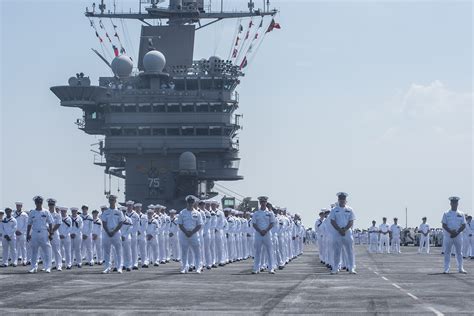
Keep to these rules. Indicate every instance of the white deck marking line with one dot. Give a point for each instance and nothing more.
(434, 310)
(385, 278)
(412, 296)
(376, 272)
(397, 286)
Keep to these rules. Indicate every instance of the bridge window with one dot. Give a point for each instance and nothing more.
(172, 131)
(144, 131)
(129, 108)
(130, 132)
(202, 107)
(115, 131)
(158, 107)
(173, 107)
(187, 131)
(187, 107)
(116, 108)
(215, 131)
(159, 132)
(202, 131)
(144, 107)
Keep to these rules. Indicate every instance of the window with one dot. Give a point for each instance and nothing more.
(202, 107)
(144, 107)
(187, 131)
(130, 132)
(172, 131)
(215, 131)
(159, 132)
(116, 131)
(216, 107)
(144, 131)
(191, 84)
(202, 131)
(116, 108)
(187, 107)
(129, 108)
(228, 131)
(159, 107)
(173, 107)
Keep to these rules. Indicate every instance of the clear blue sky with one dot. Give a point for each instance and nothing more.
(372, 98)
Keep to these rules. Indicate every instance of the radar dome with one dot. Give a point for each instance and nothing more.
(122, 66)
(154, 61)
(187, 161)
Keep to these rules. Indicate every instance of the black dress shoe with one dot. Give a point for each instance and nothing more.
(115, 270)
(135, 268)
(128, 269)
(144, 266)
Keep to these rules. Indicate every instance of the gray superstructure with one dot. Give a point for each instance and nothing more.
(170, 129)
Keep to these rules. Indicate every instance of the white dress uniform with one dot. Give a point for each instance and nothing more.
(65, 240)
(161, 238)
(190, 220)
(262, 219)
(342, 216)
(384, 241)
(220, 237)
(76, 239)
(152, 228)
(126, 243)
(206, 234)
(9, 229)
(212, 231)
(141, 237)
(135, 218)
(39, 221)
(319, 237)
(454, 220)
(86, 245)
(468, 238)
(97, 240)
(373, 239)
(112, 218)
(167, 254)
(22, 224)
(424, 240)
(174, 243)
(396, 230)
(56, 242)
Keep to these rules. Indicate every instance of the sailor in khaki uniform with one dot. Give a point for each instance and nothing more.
(9, 227)
(40, 223)
(453, 224)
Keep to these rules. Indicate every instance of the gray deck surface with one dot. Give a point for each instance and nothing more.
(385, 284)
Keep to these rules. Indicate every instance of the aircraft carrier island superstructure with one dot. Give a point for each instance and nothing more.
(170, 128)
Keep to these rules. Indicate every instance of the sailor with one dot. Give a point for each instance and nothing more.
(141, 233)
(64, 237)
(263, 221)
(373, 232)
(166, 235)
(189, 223)
(97, 237)
(40, 223)
(9, 228)
(219, 233)
(86, 243)
(424, 230)
(76, 236)
(395, 230)
(174, 243)
(384, 230)
(55, 240)
(126, 240)
(135, 218)
(342, 219)
(278, 260)
(151, 232)
(454, 223)
(319, 235)
(22, 223)
(468, 238)
(112, 220)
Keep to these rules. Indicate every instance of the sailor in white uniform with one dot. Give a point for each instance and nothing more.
(468, 238)
(55, 240)
(135, 218)
(424, 231)
(9, 228)
(384, 241)
(22, 223)
(342, 219)
(97, 237)
(373, 232)
(87, 226)
(395, 229)
(454, 223)
(76, 236)
(40, 223)
(263, 220)
(112, 220)
(64, 237)
(189, 223)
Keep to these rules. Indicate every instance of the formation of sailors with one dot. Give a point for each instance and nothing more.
(201, 236)
(458, 236)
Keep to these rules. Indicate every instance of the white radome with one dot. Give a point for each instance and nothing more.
(122, 66)
(154, 61)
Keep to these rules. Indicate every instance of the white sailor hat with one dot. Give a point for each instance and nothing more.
(151, 206)
(123, 208)
(208, 202)
(84, 206)
(344, 194)
(454, 198)
(104, 207)
(150, 211)
(63, 209)
(129, 202)
(227, 209)
(112, 197)
(2, 212)
(51, 201)
(38, 198)
(262, 198)
(157, 206)
(137, 205)
(18, 203)
(172, 211)
(214, 202)
(74, 209)
(191, 199)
